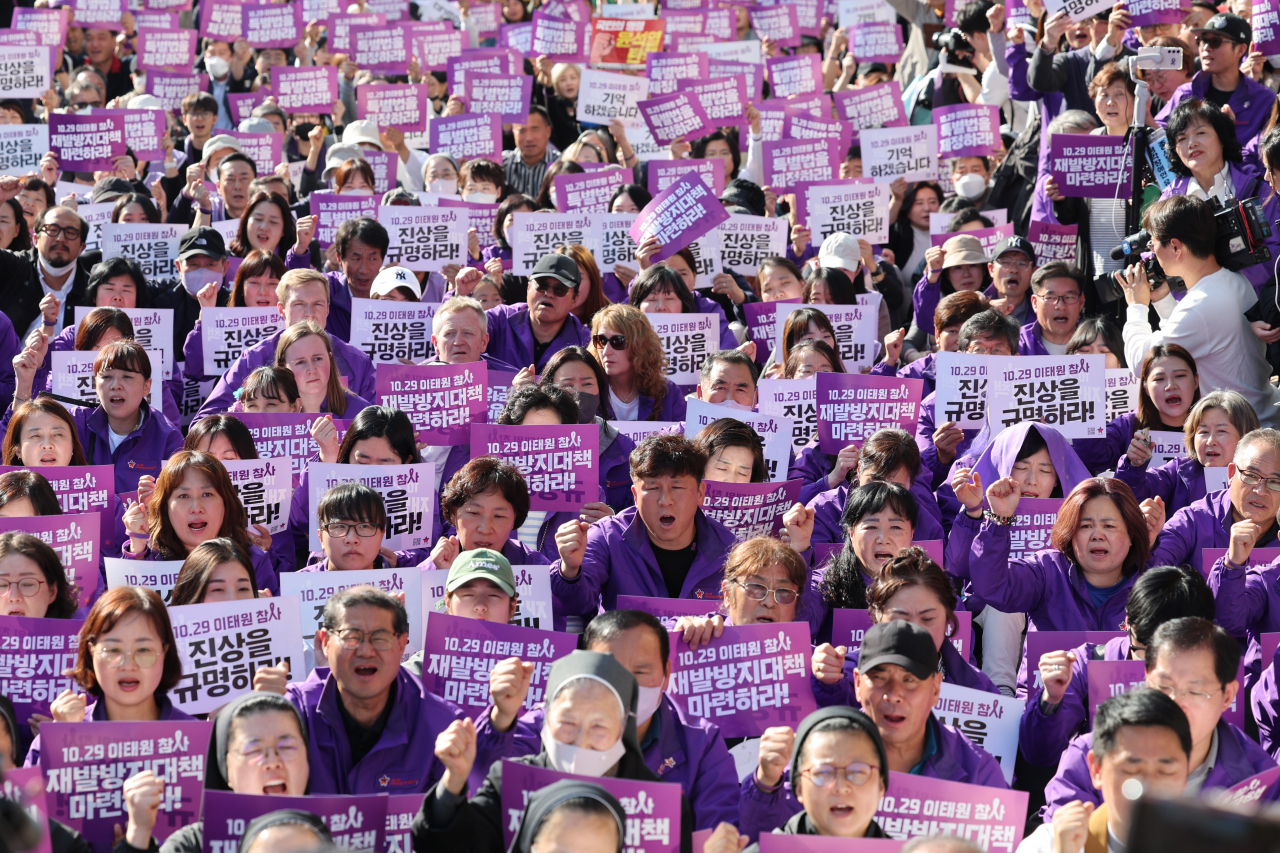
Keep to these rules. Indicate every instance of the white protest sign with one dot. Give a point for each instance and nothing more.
(408, 492)
(21, 147)
(160, 575)
(96, 216)
(1066, 392)
(1122, 392)
(223, 644)
(989, 721)
(1215, 480)
(861, 210)
(315, 588)
(611, 237)
(72, 376)
(960, 393)
(228, 332)
(638, 431)
(393, 332)
(854, 12)
(889, 153)
(745, 241)
(425, 239)
(1077, 10)
(605, 96)
(152, 247)
(687, 339)
(227, 229)
(24, 71)
(938, 222)
(856, 326)
(706, 259)
(153, 328)
(796, 400)
(533, 594)
(1165, 445)
(265, 487)
(536, 234)
(747, 50)
(775, 431)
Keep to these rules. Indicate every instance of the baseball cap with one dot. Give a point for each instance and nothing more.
(899, 642)
(391, 278)
(364, 130)
(962, 249)
(560, 267)
(201, 241)
(255, 124)
(840, 250)
(145, 102)
(481, 563)
(1228, 26)
(401, 196)
(1015, 244)
(110, 189)
(218, 143)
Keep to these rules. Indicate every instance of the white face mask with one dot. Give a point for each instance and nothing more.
(217, 67)
(355, 191)
(971, 186)
(579, 760)
(444, 186)
(734, 404)
(194, 280)
(647, 704)
(480, 198)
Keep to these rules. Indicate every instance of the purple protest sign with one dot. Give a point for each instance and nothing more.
(333, 210)
(398, 105)
(503, 94)
(489, 60)
(25, 786)
(306, 89)
(792, 160)
(667, 608)
(74, 538)
(590, 191)
(679, 215)
(86, 143)
(277, 434)
(777, 843)
(271, 25)
(357, 822)
(968, 130)
(33, 658)
(666, 69)
(49, 24)
(559, 39)
(849, 627)
(748, 679)
(436, 49)
(1258, 558)
(458, 654)
(723, 99)
(1251, 792)
(170, 89)
(679, 114)
(1148, 13)
(516, 36)
(795, 75)
(804, 126)
(21, 38)
(166, 50)
(1087, 166)
(442, 400)
(664, 173)
(221, 20)
(339, 28)
(468, 136)
(87, 763)
(781, 24)
(100, 14)
(264, 149)
(1108, 678)
(992, 817)
(149, 20)
(653, 808)
(854, 406)
(1268, 642)
(559, 463)
(383, 49)
(1265, 24)
(1053, 242)
(875, 106)
(750, 509)
(1040, 643)
(876, 42)
(762, 322)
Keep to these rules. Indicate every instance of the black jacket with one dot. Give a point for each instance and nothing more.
(21, 292)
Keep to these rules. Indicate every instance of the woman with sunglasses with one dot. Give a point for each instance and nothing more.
(631, 354)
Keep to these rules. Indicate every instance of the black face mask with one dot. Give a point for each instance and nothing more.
(303, 129)
(588, 405)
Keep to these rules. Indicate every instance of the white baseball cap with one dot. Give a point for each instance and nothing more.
(840, 250)
(391, 278)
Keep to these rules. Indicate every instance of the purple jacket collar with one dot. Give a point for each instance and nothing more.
(1029, 341)
(998, 458)
(713, 542)
(957, 760)
(511, 336)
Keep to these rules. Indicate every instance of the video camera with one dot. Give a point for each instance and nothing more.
(958, 49)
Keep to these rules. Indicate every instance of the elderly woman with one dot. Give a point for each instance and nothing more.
(484, 504)
(958, 265)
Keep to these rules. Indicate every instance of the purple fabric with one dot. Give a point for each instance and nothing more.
(402, 761)
(828, 506)
(1251, 102)
(1041, 204)
(1101, 454)
(511, 337)
(1206, 523)
(1265, 701)
(709, 306)
(1043, 738)
(955, 760)
(613, 289)
(925, 298)
(1178, 482)
(1248, 605)
(264, 570)
(1238, 759)
(925, 427)
(352, 363)
(97, 712)
(1029, 342)
(672, 407)
(955, 670)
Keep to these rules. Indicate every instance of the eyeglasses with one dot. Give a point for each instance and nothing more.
(1194, 697)
(1063, 299)
(202, 114)
(1213, 42)
(760, 592)
(857, 773)
(114, 657)
(381, 641)
(27, 587)
(556, 289)
(287, 750)
(1251, 479)
(340, 529)
(58, 232)
(618, 342)
(1014, 263)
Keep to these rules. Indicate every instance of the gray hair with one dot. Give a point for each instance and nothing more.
(727, 356)
(1265, 436)
(990, 323)
(1073, 121)
(369, 596)
(453, 305)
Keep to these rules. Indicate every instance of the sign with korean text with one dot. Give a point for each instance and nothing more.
(560, 463)
(21, 147)
(1033, 526)
(588, 192)
(960, 392)
(800, 74)
(393, 332)
(153, 247)
(1088, 166)
(315, 588)
(1122, 391)
(678, 115)
(356, 822)
(856, 328)
(889, 153)
(875, 106)
(332, 210)
(307, 88)
(1053, 242)
(968, 130)
(775, 431)
(533, 235)
(666, 69)
(796, 400)
(988, 720)
(993, 818)
(424, 239)
(86, 143)
(408, 492)
(533, 591)
(500, 93)
(750, 509)
(687, 340)
(1066, 392)
(265, 487)
(152, 327)
(442, 400)
(159, 575)
(605, 96)
(34, 654)
(74, 538)
(861, 210)
(678, 216)
(228, 332)
(746, 241)
(24, 71)
(793, 160)
(853, 406)
(468, 136)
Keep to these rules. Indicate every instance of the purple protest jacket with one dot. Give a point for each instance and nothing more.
(1178, 482)
(1265, 701)
(351, 362)
(689, 751)
(955, 760)
(925, 427)
(264, 570)
(1247, 605)
(1043, 738)
(672, 407)
(1238, 759)
(338, 323)
(620, 561)
(1029, 342)
(403, 760)
(1251, 103)
(97, 712)
(1101, 454)
(1206, 523)
(613, 289)
(955, 670)
(829, 506)
(511, 336)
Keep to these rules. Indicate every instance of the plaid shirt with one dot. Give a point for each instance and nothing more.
(523, 178)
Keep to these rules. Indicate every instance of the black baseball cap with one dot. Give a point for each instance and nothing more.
(560, 267)
(201, 241)
(1015, 244)
(899, 642)
(1228, 26)
(110, 189)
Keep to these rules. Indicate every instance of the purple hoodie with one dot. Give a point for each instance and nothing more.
(97, 712)
(403, 760)
(954, 759)
(264, 570)
(1101, 454)
(1265, 702)
(1248, 605)
(1178, 482)
(511, 336)
(1238, 759)
(1206, 523)
(1029, 340)
(672, 407)
(351, 362)
(828, 507)
(1043, 738)
(955, 670)
(926, 425)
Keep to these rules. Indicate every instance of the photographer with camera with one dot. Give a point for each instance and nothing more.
(1210, 320)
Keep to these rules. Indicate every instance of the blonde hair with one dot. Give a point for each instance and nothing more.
(648, 361)
(453, 305)
(293, 279)
(335, 395)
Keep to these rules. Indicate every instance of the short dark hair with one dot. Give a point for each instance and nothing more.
(1090, 330)
(125, 355)
(966, 217)
(370, 596)
(381, 422)
(65, 597)
(99, 321)
(146, 202)
(886, 451)
(874, 497)
(957, 307)
(352, 502)
(1193, 110)
(660, 278)
(1056, 269)
(233, 428)
(664, 455)
(990, 323)
(1139, 707)
(366, 230)
(610, 625)
(639, 195)
(509, 206)
(972, 17)
(16, 485)
(238, 157)
(539, 109)
(199, 102)
(109, 269)
(484, 474)
(570, 355)
(532, 398)
(1182, 217)
(1165, 593)
(728, 356)
(731, 432)
(1192, 632)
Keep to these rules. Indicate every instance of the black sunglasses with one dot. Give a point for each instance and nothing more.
(556, 289)
(618, 342)
(1213, 42)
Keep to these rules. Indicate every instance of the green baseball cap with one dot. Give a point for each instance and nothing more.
(481, 563)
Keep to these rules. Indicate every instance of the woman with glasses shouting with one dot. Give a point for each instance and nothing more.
(631, 354)
(126, 664)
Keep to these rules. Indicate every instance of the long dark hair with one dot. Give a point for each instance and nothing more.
(514, 203)
(233, 428)
(660, 278)
(21, 240)
(240, 243)
(845, 582)
(199, 565)
(381, 422)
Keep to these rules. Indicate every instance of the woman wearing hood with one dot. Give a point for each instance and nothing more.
(589, 730)
(571, 816)
(258, 746)
(839, 772)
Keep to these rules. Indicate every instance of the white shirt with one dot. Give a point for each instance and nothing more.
(1052, 348)
(1222, 188)
(1041, 841)
(38, 322)
(1209, 321)
(624, 411)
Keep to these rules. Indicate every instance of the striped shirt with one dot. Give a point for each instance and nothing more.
(523, 178)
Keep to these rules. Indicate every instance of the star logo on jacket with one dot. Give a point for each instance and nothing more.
(384, 780)
(666, 765)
